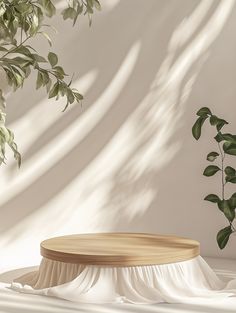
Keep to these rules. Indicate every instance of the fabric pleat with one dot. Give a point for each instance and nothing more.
(183, 282)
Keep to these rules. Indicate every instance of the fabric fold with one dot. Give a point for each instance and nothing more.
(182, 282)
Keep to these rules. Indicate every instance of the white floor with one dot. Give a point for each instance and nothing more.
(12, 302)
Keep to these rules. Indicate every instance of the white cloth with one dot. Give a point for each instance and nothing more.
(182, 282)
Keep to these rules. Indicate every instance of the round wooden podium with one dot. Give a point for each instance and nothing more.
(124, 267)
(119, 249)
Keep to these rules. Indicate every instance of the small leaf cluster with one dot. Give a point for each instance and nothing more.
(78, 7)
(23, 16)
(226, 143)
(7, 138)
(21, 20)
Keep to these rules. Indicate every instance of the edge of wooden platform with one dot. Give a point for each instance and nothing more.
(121, 260)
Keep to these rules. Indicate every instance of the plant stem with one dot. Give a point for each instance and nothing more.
(222, 171)
(14, 49)
(232, 227)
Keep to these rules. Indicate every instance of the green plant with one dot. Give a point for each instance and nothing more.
(226, 143)
(21, 21)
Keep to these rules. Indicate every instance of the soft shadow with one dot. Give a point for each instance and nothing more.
(62, 173)
(135, 168)
(9, 276)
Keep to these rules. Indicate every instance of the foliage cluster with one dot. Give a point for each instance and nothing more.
(21, 20)
(226, 144)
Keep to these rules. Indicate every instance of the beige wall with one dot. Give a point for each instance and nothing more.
(126, 160)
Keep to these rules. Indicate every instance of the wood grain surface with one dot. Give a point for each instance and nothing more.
(119, 249)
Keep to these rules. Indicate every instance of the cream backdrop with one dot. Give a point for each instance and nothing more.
(125, 160)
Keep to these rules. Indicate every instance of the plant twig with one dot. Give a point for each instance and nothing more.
(222, 171)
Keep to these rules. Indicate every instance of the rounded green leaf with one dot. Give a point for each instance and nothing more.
(38, 58)
(219, 137)
(230, 171)
(229, 148)
(223, 236)
(213, 120)
(197, 127)
(232, 180)
(232, 201)
(52, 58)
(212, 156)
(212, 198)
(229, 213)
(69, 13)
(39, 81)
(203, 111)
(220, 124)
(222, 204)
(54, 91)
(211, 170)
(229, 137)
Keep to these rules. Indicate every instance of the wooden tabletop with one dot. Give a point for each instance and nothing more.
(119, 249)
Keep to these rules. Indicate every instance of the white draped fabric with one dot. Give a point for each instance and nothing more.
(182, 282)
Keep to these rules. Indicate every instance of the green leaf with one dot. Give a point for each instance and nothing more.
(39, 81)
(212, 156)
(220, 124)
(34, 25)
(222, 204)
(59, 72)
(2, 103)
(3, 49)
(223, 236)
(212, 198)
(22, 7)
(69, 13)
(229, 148)
(23, 50)
(52, 58)
(219, 137)
(211, 170)
(22, 61)
(229, 137)
(230, 171)
(213, 120)
(54, 91)
(204, 111)
(62, 89)
(48, 85)
(70, 96)
(197, 127)
(232, 180)
(78, 96)
(232, 201)
(45, 77)
(228, 212)
(38, 58)
(48, 7)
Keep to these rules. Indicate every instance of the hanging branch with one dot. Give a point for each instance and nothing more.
(21, 20)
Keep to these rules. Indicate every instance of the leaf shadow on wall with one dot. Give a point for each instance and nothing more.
(141, 125)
